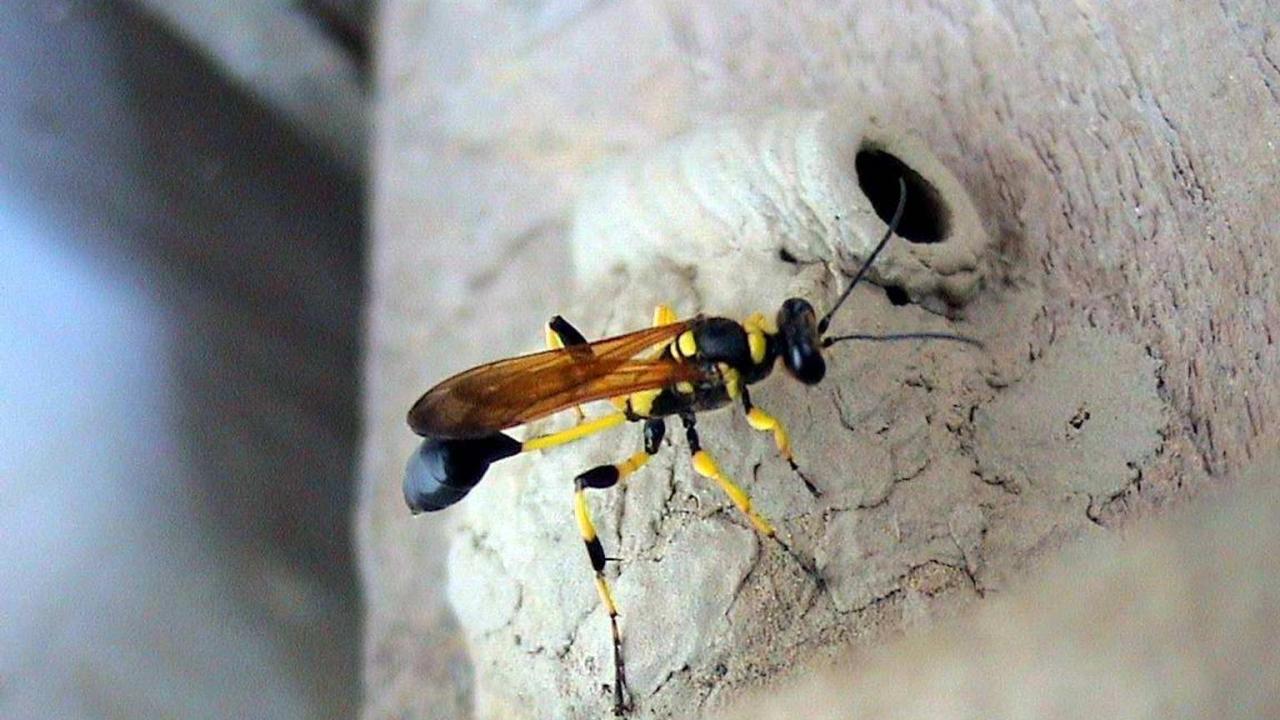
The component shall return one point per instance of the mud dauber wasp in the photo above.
(674, 368)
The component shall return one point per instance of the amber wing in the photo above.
(518, 390)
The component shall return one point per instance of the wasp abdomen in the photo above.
(441, 472)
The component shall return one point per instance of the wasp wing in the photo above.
(511, 392)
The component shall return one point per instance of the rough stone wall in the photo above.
(1123, 158)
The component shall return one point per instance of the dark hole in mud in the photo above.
(925, 219)
(785, 256)
(896, 294)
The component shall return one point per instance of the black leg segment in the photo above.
(602, 477)
(568, 334)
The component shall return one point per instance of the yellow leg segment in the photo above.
(663, 315)
(763, 421)
(581, 430)
(596, 552)
(592, 478)
(594, 549)
(553, 340)
(600, 477)
(704, 465)
(632, 464)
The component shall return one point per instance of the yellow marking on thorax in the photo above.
(758, 327)
(685, 345)
(756, 341)
(732, 380)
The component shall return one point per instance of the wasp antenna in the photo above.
(893, 226)
(828, 342)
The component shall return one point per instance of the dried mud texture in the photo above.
(1124, 168)
(1178, 620)
(795, 182)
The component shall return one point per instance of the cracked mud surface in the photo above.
(1110, 616)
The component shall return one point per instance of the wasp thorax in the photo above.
(801, 347)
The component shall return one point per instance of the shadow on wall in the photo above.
(182, 292)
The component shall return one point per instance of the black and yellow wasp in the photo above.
(675, 368)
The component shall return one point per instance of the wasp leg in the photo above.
(763, 421)
(562, 334)
(581, 430)
(663, 315)
(706, 466)
(599, 478)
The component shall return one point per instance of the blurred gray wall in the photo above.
(180, 274)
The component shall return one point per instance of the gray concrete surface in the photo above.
(282, 55)
(180, 276)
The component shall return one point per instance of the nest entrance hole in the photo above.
(926, 218)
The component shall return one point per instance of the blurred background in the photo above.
(181, 221)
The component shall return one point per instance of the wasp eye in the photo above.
(806, 364)
(798, 331)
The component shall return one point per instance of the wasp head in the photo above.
(800, 343)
